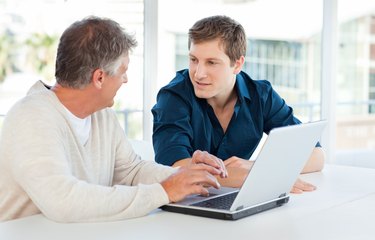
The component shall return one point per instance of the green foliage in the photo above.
(40, 53)
(36, 54)
(8, 47)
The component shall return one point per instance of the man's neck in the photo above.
(224, 100)
(75, 100)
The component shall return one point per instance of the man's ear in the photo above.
(238, 64)
(98, 78)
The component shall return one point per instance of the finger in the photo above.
(211, 160)
(296, 190)
(224, 173)
(205, 157)
(201, 190)
(207, 168)
(220, 163)
(205, 179)
(305, 186)
(211, 170)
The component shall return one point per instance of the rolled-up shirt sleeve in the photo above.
(172, 132)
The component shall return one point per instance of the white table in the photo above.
(343, 207)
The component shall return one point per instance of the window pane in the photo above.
(356, 81)
(29, 33)
(284, 48)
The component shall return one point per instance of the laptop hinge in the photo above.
(239, 208)
(282, 195)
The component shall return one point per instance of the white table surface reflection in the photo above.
(343, 207)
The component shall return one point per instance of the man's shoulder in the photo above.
(255, 87)
(261, 83)
(105, 114)
(180, 87)
(37, 88)
(107, 118)
(180, 82)
(36, 97)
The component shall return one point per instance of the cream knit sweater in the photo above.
(44, 168)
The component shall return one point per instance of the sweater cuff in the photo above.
(164, 199)
(155, 195)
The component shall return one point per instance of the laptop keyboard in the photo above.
(222, 202)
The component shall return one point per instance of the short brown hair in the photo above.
(231, 34)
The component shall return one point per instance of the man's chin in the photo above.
(201, 94)
(111, 104)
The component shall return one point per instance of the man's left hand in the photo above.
(301, 186)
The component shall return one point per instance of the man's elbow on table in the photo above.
(316, 161)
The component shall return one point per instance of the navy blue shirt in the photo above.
(184, 123)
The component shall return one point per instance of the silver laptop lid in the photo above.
(280, 161)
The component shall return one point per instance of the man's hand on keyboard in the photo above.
(191, 179)
(209, 159)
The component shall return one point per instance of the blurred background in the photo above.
(288, 44)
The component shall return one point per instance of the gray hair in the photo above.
(90, 44)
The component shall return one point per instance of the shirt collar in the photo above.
(241, 87)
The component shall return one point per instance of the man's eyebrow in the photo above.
(214, 59)
(208, 59)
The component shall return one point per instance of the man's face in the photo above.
(114, 82)
(210, 70)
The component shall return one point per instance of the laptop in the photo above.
(274, 172)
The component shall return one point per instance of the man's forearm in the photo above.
(316, 161)
(236, 177)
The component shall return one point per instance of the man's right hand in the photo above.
(191, 179)
(238, 169)
(209, 159)
(236, 162)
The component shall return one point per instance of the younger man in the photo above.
(216, 107)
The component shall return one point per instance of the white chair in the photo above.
(143, 148)
(356, 158)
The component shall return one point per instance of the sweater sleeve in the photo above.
(41, 166)
(130, 169)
